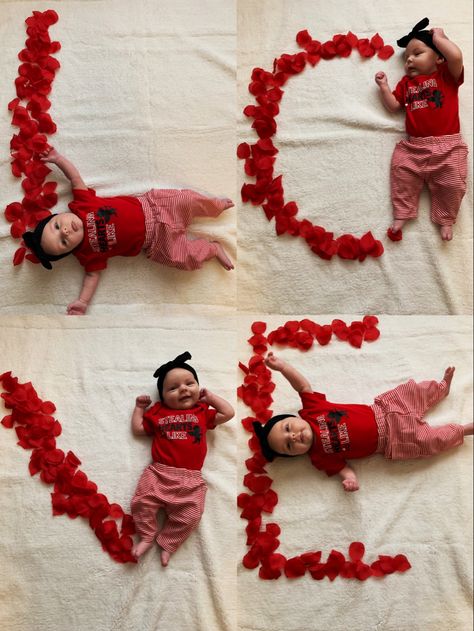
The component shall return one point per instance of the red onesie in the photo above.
(340, 431)
(113, 226)
(179, 436)
(430, 102)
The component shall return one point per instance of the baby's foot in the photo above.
(141, 548)
(448, 377)
(227, 202)
(165, 557)
(397, 225)
(446, 233)
(222, 257)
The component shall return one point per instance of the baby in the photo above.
(178, 424)
(99, 228)
(434, 151)
(331, 432)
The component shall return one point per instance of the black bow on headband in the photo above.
(177, 362)
(418, 32)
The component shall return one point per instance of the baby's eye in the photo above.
(56, 225)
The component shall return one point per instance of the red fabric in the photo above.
(113, 226)
(430, 102)
(179, 436)
(180, 492)
(340, 431)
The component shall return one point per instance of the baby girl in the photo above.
(178, 424)
(330, 433)
(99, 228)
(434, 152)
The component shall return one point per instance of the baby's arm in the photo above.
(389, 101)
(296, 379)
(89, 286)
(67, 167)
(349, 479)
(224, 409)
(449, 50)
(141, 404)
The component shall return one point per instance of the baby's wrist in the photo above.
(84, 302)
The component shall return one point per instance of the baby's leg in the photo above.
(144, 507)
(182, 519)
(447, 184)
(406, 183)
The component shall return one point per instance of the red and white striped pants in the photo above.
(180, 492)
(403, 433)
(168, 213)
(440, 162)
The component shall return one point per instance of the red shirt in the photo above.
(113, 226)
(340, 431)
(430, 102)
(179, 436)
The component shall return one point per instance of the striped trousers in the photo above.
(403, 433)
(440, 162)
(180, 492)
(168, 213)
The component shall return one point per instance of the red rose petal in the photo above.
(295, 567)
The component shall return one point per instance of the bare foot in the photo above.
(468, 429)
(222, 257)
(228, 203)
(141, 548)
(448, 377)
(165, 557)
(446, 233)
(397, 224)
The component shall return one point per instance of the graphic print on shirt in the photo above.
(179, 427)
(424, 95)
(333, 433)
(100, 232)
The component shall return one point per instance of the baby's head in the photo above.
(178, 384)
(421, 55)
(284, 435)
(54, 237)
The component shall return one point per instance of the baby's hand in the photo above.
(78, 307)
(49, 155)
(350, 485)
(381, 78)
(205, 395)
(273, 362)
(143, 401)
(437, 32)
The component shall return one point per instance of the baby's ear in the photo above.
(440, 60)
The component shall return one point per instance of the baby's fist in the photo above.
(273, 362)
(142, 401)
(350, 485)
(381, 78)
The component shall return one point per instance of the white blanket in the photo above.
(421, 508)
(336, 140)
(145, 97)
(54, 574)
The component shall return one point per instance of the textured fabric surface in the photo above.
(422, 508)
(53, 573)
(144, 98)
(335, 142)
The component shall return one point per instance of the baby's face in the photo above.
(180, 389)
(62, 234)
(420, 59)
(292, 436)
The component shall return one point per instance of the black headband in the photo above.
(177, 362)
(417, 32)
(32, 240)
(262, 431)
